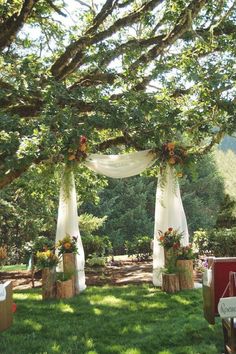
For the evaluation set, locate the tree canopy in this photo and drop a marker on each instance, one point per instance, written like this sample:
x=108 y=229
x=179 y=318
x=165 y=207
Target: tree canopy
x=130 y=72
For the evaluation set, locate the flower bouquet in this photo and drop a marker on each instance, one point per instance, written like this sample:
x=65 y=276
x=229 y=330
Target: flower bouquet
x=67 y=245
x=170 y=238
x=185 y=252
x=46 y=259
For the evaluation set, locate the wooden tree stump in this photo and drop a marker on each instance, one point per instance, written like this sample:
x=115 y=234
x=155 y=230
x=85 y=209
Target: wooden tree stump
x=170 y=283
x=48 y=283
x=69 y=267
x=6 y=308
x=185 y=270
x=65 y=289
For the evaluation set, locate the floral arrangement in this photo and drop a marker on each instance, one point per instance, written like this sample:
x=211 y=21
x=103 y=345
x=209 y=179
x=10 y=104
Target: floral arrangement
x=173 y=154
x=185 y=252
x=46 y=259
x=170 y=238
x=67 y=245
x=80 y=152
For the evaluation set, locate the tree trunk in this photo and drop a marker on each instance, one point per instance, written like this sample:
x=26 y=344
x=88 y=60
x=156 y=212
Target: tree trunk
x=69 y=267
x=48 y=283
x=185 y=269
x=170 y=283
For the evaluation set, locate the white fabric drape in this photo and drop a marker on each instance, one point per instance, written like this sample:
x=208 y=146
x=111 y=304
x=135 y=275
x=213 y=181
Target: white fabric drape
x=121 y=166
x=169 y=212
x=67 y=223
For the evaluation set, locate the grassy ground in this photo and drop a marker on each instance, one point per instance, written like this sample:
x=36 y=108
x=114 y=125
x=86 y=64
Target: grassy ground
x=127 y=320
x=15 y=268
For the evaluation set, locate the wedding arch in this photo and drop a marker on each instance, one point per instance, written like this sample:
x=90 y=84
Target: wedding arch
x=169 y=211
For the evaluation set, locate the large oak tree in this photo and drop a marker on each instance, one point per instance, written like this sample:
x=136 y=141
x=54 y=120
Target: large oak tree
x=130 y=72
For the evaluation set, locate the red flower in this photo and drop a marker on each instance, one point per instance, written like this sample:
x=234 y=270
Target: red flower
x=14 y=307
x=170 y=229
x=83 y=139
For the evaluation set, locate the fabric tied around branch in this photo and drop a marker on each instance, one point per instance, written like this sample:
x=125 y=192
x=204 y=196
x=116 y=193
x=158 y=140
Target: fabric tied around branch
x=169 y=212
x=67 y=223
x=121 y=166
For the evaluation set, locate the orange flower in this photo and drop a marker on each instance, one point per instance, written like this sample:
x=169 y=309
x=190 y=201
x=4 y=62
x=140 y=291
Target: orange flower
x=172 y=161
x=67 y=245
x=71 y=157
x=179 y=174
x=171 y=146
x=161 y=238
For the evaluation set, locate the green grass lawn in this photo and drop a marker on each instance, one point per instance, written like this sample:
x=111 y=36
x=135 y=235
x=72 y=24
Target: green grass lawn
x=127 y=320
x=15 y=267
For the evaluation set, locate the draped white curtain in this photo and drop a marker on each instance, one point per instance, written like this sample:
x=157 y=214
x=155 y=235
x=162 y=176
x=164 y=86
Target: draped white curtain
x=169 y=212
x=67 y=223
x=121 y=166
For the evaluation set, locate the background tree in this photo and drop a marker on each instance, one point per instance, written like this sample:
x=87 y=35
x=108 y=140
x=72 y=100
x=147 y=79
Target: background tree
x=132 y=72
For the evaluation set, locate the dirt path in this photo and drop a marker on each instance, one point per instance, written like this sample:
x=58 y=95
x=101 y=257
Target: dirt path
x=118 y=273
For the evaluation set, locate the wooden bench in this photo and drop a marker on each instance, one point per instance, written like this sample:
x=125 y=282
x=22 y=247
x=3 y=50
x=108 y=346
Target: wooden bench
x=220 y=273
x=6 y=315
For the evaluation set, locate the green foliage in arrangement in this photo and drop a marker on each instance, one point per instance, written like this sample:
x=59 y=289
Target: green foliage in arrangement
x=140 y=247
x=127 y=319
x=217 y=242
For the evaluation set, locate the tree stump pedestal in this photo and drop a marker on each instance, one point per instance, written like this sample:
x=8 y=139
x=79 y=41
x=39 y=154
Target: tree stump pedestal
x=69 y=268
x=170 y=283
x=48 y=283
x=185 y=270
x=65 y=289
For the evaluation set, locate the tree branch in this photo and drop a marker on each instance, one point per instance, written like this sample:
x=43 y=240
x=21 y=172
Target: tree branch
x=183 y=24
x=10 y=27
x=71 y=58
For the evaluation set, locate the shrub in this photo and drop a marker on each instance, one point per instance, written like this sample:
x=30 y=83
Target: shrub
x=101 y=246
x=94 y=261
x=140 y=247
x=217 y=242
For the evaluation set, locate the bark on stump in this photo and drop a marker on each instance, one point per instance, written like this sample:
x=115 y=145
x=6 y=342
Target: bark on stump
x=185 y=269
x=69 y=268
x=65 y=289
x=48 y=283
x=170 y=283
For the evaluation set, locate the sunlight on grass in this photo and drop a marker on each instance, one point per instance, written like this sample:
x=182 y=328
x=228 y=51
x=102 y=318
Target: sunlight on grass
x=35 y=325
x=56 y=348
x=138 y=329
x=181 y=300
x=97 y=311
x=112 y=320
x=89 y=343
x=64 y=307
x=27 y=296
x=111 y=301
x=132 y=351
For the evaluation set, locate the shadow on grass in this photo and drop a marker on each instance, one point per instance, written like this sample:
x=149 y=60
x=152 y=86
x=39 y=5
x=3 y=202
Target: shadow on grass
x=129 y=320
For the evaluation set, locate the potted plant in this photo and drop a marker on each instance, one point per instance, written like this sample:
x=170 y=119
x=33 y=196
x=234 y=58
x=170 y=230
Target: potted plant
x=184 y=265
x=47 y=261
x=67 y=248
